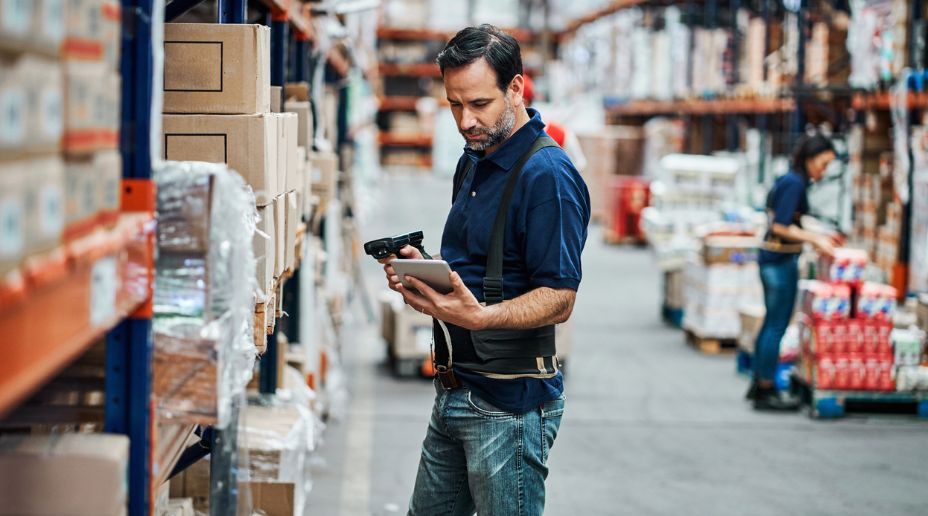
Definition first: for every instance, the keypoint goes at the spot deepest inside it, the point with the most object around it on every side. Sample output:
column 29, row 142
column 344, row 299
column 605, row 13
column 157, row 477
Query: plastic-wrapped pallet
column 204, row 291
column 679, row 35
column 714, row 295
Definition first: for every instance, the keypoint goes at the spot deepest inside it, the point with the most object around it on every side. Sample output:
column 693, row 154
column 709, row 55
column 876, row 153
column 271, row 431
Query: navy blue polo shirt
column 786, row 203
column 546, row 230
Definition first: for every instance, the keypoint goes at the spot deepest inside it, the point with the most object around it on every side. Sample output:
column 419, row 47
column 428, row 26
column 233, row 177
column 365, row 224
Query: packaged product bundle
column 846, row 266
column 876, row 301
column 824, row 301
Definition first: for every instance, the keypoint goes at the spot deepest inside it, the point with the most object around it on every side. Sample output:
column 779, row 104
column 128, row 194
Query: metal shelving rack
column 53, row 283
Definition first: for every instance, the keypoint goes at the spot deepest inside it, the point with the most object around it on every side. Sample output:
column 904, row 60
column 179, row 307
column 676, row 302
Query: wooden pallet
column 711, row 345
column 828, row 404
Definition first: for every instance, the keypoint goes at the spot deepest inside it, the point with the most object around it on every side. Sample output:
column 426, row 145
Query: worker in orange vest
column 560, row 134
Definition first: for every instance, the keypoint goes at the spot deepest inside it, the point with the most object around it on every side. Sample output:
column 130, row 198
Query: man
column 499, row 393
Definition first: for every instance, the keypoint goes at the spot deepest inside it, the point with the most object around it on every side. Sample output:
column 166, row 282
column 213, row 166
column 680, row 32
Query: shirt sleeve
column 556, row 229
column 786, row 202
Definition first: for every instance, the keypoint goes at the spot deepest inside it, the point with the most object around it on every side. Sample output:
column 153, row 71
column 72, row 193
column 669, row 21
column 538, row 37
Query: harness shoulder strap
column 459, row 176
column 493, row 282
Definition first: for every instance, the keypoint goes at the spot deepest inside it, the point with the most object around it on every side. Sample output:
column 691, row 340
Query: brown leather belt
column 447, row 378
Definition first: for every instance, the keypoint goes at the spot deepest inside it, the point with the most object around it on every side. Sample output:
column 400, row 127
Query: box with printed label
column 216, row 68
column 81, row 199
column 92, row 107
column 76, row 474
column 31, row 103
column 247, row 143
column 44, row 203
column 12, row 216
column 108, row 165
column 32, row 25
column 93, row 32
column 324, row 173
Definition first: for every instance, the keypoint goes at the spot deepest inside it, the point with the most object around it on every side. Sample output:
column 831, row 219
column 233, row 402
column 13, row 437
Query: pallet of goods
column 849, row 350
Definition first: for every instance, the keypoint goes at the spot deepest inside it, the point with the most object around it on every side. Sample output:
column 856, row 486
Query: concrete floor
column 651, row 426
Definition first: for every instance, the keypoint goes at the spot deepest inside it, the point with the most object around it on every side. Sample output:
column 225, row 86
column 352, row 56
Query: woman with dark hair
column 779, row 258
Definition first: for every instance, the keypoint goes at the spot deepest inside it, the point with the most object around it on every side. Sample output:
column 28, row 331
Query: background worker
column 787, row 202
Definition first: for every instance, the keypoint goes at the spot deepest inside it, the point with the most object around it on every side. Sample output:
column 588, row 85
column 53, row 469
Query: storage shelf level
column 406, row 140
column 704, row 107
column 62, row 302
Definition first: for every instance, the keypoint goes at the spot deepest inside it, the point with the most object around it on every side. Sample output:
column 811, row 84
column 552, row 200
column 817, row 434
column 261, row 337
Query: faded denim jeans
column 476, row 457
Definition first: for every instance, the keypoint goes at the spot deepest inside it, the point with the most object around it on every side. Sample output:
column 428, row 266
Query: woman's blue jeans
column 780, row 280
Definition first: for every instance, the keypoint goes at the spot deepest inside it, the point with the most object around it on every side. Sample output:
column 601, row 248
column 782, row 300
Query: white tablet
column 434, row 273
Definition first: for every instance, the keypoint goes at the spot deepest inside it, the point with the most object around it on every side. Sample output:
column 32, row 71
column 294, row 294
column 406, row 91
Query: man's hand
column 407, row 252
column 459, row 307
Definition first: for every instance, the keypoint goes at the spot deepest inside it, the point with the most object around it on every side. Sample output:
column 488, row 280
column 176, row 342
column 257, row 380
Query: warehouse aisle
column 651, row 426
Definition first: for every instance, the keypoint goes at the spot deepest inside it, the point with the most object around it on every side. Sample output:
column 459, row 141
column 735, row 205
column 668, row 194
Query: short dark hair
column 501, row 51
column 808, row 147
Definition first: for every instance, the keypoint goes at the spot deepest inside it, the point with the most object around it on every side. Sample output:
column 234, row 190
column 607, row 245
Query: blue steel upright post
column 129, row 344
column 279, row 37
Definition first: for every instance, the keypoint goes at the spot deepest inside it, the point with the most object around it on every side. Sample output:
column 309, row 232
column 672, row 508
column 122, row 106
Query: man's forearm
column 539, row 307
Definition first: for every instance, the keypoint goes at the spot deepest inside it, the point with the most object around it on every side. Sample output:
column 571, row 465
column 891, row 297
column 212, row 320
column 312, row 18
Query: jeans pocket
column 486, row 409
column 551, row 414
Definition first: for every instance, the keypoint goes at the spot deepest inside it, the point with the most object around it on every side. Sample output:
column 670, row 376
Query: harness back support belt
column 503, row 353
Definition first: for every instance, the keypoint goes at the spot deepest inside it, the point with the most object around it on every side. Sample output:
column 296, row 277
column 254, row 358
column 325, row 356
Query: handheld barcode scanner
column 384, row 247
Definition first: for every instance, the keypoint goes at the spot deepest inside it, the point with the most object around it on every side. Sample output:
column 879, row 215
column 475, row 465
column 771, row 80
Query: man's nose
column 468, row 121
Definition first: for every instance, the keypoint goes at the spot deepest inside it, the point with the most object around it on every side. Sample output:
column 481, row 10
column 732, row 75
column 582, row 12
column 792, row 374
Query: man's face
column 484, row 114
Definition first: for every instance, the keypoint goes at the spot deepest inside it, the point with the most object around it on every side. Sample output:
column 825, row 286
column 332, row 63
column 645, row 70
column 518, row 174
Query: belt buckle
column 447, row 379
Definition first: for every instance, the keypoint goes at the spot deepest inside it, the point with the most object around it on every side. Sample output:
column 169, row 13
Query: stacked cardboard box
column 614, row 150
column 78, row 474
column 55, row 98
column 217, row 104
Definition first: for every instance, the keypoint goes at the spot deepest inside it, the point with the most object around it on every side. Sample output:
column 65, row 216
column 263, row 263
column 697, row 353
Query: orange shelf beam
column 60, row 303
column 295, row 11
column 881, row 101
column 398, row 103
column 611, row 8
column 401, row 34
column 405, row 140
column 704, row 107
column 415, row 70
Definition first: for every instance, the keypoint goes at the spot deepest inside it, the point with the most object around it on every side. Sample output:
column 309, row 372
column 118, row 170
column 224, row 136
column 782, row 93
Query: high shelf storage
column 82, row 298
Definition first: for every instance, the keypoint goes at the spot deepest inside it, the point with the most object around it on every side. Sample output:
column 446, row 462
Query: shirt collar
column 518, row 144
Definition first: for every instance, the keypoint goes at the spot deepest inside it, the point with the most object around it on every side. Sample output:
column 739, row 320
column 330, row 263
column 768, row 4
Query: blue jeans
column 478, row 458
column 780, row 280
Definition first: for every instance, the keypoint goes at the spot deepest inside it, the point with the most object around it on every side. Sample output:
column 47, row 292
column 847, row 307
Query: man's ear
column 517, row 90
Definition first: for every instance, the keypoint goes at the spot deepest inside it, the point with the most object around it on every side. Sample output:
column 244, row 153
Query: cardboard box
column 324, row 173
column 179, row 507
column 217, row 68
column 111, row 34
column 280, row 238
column 81, row 193
column 193, row 483
column 93, row 32
column 297, row 91
column 264, row 249
column 32, row 26
column 272, row 498
column 31, row 103
column 92, row 108
column 16, row 21
column 247, row 143
column 44, row 203
column 108, row 166
column 294, row 218
column 12, row 216
column 76, row 474
column 304, row 115
column 287, row 147
column 413, row 333
column 277, row 95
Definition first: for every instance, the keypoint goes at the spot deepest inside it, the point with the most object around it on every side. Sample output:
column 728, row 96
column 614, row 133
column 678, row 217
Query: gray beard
column 499, row 132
